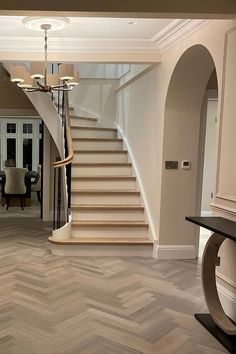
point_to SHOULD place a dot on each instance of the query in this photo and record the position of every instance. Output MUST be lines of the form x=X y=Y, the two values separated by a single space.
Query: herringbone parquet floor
x=54 y=305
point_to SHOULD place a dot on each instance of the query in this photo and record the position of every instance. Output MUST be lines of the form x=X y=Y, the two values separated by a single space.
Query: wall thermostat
x=185 y=165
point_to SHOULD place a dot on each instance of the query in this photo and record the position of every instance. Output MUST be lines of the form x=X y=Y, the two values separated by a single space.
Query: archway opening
x=183 y=143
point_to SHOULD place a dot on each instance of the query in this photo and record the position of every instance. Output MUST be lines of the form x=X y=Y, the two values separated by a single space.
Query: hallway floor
x=72 y=305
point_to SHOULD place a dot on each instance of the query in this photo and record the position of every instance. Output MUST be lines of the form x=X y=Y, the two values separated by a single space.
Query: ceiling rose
x=34 y=23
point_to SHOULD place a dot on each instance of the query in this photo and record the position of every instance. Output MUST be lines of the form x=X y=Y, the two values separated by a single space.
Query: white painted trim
x=228 y=301
x=136 y=77
x=176 y=252
x=223 y=209
x=176 y=31
x=206 y=213
x=221 y=105
x=65 y=45
x=230 y=198
x=226 y=279
x=64 y=233
x=141 y=187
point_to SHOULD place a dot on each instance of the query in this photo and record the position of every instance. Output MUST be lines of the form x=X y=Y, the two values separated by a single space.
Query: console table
x=217 y=322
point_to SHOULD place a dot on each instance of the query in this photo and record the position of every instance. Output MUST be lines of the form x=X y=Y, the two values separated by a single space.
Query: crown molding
x=175 y=31
x=63 y=45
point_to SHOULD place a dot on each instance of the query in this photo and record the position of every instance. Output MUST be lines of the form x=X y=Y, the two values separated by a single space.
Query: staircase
x=107 y=215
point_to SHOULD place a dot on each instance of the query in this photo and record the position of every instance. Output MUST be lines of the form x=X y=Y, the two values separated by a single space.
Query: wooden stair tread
x=84 y=118
x=97 y=139
x=81 y=127
x=102 y=241
x=106 y=207
x=101 y=164
x=104 y=178
x=105 y=191
x=100 y=151
x=105 y=223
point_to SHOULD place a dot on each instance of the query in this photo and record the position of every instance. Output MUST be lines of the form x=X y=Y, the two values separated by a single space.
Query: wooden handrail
x=69 y=158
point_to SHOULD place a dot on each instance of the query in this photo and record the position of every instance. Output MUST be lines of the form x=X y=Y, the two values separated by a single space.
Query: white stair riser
x=101 y=171
x=102 y=250
x=97 y=145
x=111 y=215
x=110 y=199
x=103 y=184
x=109 y=231
x=99 y=157
x=83 y=122
x=84 y=133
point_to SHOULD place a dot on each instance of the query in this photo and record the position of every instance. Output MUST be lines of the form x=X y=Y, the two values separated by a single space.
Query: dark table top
x=219 y=225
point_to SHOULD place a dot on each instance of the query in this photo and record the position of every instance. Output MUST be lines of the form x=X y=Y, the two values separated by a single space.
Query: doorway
x=209 y=155
x=21 y=145
x=184 y=138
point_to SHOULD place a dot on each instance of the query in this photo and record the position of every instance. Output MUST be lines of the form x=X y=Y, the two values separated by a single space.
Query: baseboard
x=206 y=213
x=228 y=301
x=176 y=252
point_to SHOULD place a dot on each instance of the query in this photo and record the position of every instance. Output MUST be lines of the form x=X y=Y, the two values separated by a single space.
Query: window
x=11 y=128
x=27 y=154
x=27 y=128
x=40 y=128
x=11 y=149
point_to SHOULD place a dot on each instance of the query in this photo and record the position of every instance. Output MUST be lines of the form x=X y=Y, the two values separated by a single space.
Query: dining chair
x=15 y=185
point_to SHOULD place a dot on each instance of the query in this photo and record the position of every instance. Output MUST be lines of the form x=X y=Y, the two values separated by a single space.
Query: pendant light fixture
x=38 y=78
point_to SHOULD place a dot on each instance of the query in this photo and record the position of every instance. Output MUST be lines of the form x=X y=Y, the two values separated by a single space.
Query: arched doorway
x=184 y=138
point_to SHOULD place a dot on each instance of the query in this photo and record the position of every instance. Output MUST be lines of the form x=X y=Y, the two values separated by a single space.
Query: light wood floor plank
x=72 y=305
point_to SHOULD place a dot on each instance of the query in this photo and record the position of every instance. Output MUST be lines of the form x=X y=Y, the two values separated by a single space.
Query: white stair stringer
x=107 y=216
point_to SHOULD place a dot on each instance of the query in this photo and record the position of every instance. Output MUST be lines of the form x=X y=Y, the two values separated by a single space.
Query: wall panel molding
x=220 y=208
x=221 y=113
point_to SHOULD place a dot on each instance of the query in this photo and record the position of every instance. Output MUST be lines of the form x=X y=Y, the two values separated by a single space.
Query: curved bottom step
x=105 y=247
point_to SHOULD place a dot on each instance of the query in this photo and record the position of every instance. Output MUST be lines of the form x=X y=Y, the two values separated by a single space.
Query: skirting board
x=175 y=252
x=228 y=301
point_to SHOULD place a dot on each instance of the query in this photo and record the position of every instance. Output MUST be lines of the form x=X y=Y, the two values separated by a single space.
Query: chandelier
x=38 y=78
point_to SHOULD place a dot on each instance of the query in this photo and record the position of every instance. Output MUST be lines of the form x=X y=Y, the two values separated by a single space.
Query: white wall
x=141 y=115
x=101 y=71
x=95 y=98
x=139 y=109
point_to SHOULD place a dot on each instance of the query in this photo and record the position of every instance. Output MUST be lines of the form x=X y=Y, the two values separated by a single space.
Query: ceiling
x=96 y=34
x=90 y=27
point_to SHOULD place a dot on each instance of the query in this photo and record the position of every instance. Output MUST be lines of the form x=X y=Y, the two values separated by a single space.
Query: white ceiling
x=93 y=39
x=90 y=27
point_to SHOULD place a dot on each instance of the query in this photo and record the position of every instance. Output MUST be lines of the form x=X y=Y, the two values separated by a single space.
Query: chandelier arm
x=63 y=89
x=32 y=89
x=59 y=86
x=40 y=85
